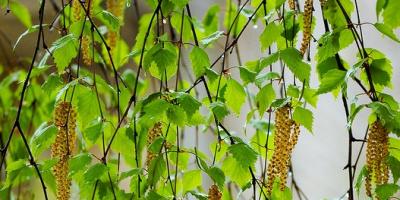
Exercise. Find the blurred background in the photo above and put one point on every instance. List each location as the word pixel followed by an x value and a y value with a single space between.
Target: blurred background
pixel 319 158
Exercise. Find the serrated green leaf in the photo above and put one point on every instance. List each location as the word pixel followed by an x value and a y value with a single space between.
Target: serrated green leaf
pixel 331 80
pixel 304 117
pixel 78 163
pixel 247 75
pixel 219 109
pixel 211 38
pixel 191 180
pixel 332 43
pixel 244 154
pixel 264 77
pixel 176 115
pixel 217 175
pixel 386 30
pixel 64 51
pixel 264 98
pixel 94 173
pixel 31 29
pixel 234 95
pixel 42 138
pixel 200 61
pixel 235 171
pixel 385 191
pixel 21 12
pixel 94 130
pixel 295 63
pixel 160 59
pixel 110 20
pixel 391 14
pixel 270 34
pixel 156 169
pixel 394 166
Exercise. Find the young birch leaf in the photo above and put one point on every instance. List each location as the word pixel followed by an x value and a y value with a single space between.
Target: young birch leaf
pixel 247 75
pixel 64 51
pixel 264 98
pixel 200 61
pixel 191 180
pixel 79 163
pixel 304 117
pixel 391 14
pixel 93 130
pixel 235 171
pixel 42 138
pixel 385 191
pixel 21 12
pixel 244 154
pixel 235 95
pixel 294 61
pixel 211 38
pixel 219 109
pixel 176 115
pixel 270 34
pixel 217 175
pixel 386 30
pixel 331 80
pixel 157 168
pixel 94 173
pixel 110 20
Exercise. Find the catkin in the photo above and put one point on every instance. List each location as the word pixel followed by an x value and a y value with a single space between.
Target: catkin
pixel 154 132
pixel 77 11
pixel 214 193
pixel 286 135
pixel 377 152
pixel 292 4
pixel 86 40
pixel 307 20
pixel 65 121
pixel 116 7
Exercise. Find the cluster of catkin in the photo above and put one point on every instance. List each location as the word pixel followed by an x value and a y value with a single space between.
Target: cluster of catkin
pixel 116 7
pixel 214 193
pixel 286 135
pixel 377 152
pixel 78 14
pixel 307 21
pixel 65 121
pixel 154 132
pixel 292 4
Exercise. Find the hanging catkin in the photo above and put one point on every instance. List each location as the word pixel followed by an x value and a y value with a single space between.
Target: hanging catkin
pixel 77 11
pixel 377 152
pixel 286 135
pixel 154 132
pixel 292 4
pixel 214 193
pixel 62 148
pixel 307 20
pixel 86 40
pixel 116 7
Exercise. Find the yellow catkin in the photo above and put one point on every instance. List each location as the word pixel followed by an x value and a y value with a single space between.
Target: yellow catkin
pixel 307 17
pixel 86 40
pixel 62 148
pixel 116 7
pixel 154 132
pixel 292 4
pixel 77 11
pixel 286 135
pixel 214 193
pixel 377 152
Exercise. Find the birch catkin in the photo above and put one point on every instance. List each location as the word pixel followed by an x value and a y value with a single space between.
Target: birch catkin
pixel 377 152
pixel 307 20
pixel 286 135
pixel 86 40
pixel 116 7
pixel 214 193
pixel 154 132
pixel 65 121
pixel 292 4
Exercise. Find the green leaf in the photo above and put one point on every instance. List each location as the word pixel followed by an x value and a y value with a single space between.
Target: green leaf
pixel 163 59
pixel 110 20
pixel 264 77
pixel 385 191
pixel 235 171
pixel 176 115
pixel 219 109
pixel 191 180
pixel 270 35
pixel 17 172
pixel 156 169
pixel 391 14
pixel 217 175
pixel 331 80
pixel 211 38
pixel 42 138
pixel 200 61
pixel 277 194
pixel 331 43
pixel 21 12
pixel 394 166
pixel 94 173
pixel 264 98
pixel 304 117
pixel 247 75
pixel 52 82
pixel 244 154
pixel 294 61
pixel 380 4
pixel 79 163
pixel 234 95
pixel 310 96
pixel 361 175
pixel 64 51
pixel 386 30
pixel 94 130
pixel 293 91
pixel 190 104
